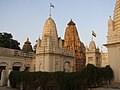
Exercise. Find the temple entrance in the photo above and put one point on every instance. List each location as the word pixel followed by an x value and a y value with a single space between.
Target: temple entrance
pixel 67 66
pixel 27 68
pixel 2 68
pixel 16 68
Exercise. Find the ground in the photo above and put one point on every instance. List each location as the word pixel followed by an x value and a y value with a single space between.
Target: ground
pixel 106 89
pixel 5 88
pixel 111 87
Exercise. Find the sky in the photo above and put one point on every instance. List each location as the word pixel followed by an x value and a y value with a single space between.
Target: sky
pixel 26 18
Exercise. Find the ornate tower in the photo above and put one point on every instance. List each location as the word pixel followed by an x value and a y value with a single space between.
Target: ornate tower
pixel 49 33
pixel 72 42
pixel 45 47
pixel 113 42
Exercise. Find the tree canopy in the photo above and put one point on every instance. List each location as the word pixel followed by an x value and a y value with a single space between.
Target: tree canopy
pixel 7 41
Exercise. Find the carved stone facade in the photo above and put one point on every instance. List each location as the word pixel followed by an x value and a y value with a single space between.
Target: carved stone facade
pixel 104 59
pixel 113 42
pixel 93 55
pixel 50 56
pixel 72 43
pixel 12 59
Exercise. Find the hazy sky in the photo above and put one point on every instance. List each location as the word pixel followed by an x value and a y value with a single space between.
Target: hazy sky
pixel 26 18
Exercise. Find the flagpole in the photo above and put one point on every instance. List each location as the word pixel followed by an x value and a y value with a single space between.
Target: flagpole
pixel 92 38
pixel 51 6
pixel 50 11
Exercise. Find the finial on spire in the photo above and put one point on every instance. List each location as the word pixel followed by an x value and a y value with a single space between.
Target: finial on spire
pixel 71 22
pixel 110 16
pixel 27 39
pixel 92 38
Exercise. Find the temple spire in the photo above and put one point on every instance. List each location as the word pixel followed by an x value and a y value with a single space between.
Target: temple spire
pixel 117 15
pixel 49 33
pixel 72 43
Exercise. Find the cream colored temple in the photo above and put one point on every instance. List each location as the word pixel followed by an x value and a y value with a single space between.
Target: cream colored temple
pixel 113 42
pixel 50 55
pixel 53 54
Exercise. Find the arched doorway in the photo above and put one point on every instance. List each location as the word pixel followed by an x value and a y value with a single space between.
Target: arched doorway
pixel 16 66
pixel 27 67
pixel 3 66
pixel 67 66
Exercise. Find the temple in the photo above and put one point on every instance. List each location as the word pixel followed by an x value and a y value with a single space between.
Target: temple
pixel 113 42
pixel 50 55
pixel 93 55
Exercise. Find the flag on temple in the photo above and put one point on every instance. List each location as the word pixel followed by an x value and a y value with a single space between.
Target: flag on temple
pixel 93 33
pixel 51 5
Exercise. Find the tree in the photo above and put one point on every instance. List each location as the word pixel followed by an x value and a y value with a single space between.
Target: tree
pixel 109 75
pixel 7 41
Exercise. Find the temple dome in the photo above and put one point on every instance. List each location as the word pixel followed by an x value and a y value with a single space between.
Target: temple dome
pixel 27 47
pixel 50 31
pixel 92 45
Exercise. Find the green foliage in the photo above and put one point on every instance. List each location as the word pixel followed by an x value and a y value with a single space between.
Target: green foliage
pixel 90 76
pixel 7 41
pixel 15 77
